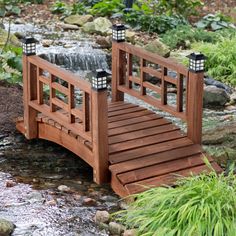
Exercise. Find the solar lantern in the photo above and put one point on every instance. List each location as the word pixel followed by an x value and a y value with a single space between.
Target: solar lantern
pixel 99 80
pixel 29 46
pixel 197 62
pixel 118 32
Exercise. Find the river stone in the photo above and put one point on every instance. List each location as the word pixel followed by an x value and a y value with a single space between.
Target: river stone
pixel 102 217
pixel 12 40
pixel 68 26
pixel 215 97
pixel 130 36
pixel 79 20
pixel 104 42
pixel 64 188
pixel 156 46
pixel 6 227
pixel 89 28
pixel 233 98
pixel 130 232
pixel 116 229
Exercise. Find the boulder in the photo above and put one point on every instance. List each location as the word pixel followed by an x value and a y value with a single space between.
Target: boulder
pixel 68 26
pixel 233 98
pixel 6 227
pixel 156 46
pixel 130 36
pixel 116 229
pixel 130 232
pixel 215 97
pixel 104 42
pixel 101 26
pixel 102 217
pixel 12 40
pixel 79 20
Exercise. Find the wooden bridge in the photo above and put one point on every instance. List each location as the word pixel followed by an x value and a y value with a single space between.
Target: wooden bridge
pixel 126 144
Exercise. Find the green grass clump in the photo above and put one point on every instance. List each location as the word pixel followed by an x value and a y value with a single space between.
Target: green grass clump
pixel 221 62
pixel 203 205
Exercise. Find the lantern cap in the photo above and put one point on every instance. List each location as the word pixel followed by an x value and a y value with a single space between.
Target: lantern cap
pixel 197 56
pixel 27 40
pixel 100 73
pixel 119 27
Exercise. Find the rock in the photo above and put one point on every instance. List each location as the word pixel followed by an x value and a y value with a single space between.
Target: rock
pixel 218 84
pixel 19 21
pixel 214 96
pixel 233 98
pixel 10 183
pixel 116 229
pixel 89 202
pixel 64 189
pixel 103 226
pixel 123 205
pixel 102 217
pixel 51 203
pixel 67 46
pixel 68 26
pixel 104 42
pixel 34 197
pixel 79 20
pixel 6 227
pixel 158 47
pixel 130 232
pixel 47 42
pixel 130 36
pixel 12 40
pixel 101 26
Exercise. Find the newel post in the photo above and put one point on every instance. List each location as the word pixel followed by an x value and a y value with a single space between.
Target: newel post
pixel 118 62
pixel 100 127
pixel 195 97
pixel 29 88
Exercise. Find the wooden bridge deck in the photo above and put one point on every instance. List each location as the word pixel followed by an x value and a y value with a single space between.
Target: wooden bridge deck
pixel 128 145
pixel 145 149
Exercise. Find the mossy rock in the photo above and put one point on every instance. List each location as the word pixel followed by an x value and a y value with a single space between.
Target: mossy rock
pixel 12 39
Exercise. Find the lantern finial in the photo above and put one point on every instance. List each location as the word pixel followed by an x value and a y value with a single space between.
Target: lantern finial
pixel 99 79
pixel 197 62
pixel 29 46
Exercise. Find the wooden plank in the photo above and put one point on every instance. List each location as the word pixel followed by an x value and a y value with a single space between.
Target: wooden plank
pixel 154 159
pixel 39 87
pixel 114 104
pixel 86 112
pixel 44 79
pixel 129 69
pixel 135 79
pixel 180 92
pixel 135 127
pixel 170 79
pixel 59 103
pixel 129 116
pixel 60 88
pixel 161 169
pixel 77 113
pixel 152 71
pixel 135 120
pixel 124 111
pixel 151 149
pixel 71 103
pixel 121 107
pixel 158 138
pixel 153 87
pixel 167 179
pixel 163 86
pixel 142 133
pixel 61 73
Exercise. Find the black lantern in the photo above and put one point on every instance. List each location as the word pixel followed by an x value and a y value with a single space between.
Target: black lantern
pixel 196 62
pixel 29 46
pixel 118 32
pixel 99 79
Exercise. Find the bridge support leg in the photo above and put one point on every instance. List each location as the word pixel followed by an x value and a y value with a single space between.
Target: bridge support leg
pixel 29 93
pixel 100 136
pixel 195 106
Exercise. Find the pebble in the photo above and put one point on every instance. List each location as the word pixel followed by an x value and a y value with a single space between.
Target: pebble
pixel 6 227
pixel 47 42
pixel 51 203
pixel 130 232
pixel 116 229
pixel 101 217
pixel 89 202
pixel 10 183
pixel 64 189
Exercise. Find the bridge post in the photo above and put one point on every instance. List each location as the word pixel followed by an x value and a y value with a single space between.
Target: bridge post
pixel 29 89
pixel 118 62
pixel 100 127
pixel 195 97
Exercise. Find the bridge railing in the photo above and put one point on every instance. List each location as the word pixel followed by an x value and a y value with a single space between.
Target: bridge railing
pixel 150 80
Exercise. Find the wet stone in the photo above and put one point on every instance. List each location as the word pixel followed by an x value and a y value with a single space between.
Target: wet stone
pixel 6 227
pixel 130 232
pixel 89 202
pixel 102 217
pixel 64 189
pixel 10 183
pixel 115 228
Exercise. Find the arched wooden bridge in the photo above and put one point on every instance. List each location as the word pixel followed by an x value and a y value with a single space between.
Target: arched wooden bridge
pixel 126 144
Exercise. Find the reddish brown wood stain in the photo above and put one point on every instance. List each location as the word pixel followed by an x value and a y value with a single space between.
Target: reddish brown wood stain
pixel 126 144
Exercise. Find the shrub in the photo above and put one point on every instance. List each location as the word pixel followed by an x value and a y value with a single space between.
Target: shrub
pixel 184 35
pixel 221 62
pixel 199 206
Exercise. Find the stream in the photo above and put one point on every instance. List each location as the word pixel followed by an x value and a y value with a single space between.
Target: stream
pixel 32 171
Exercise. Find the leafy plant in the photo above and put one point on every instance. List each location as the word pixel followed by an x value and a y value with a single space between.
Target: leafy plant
pixel 11 64
pixel 58 7
pixel 221 62
pixel 199 206
pixel 184 35
pixel 9 7
pixel 107 8
pixel 214 22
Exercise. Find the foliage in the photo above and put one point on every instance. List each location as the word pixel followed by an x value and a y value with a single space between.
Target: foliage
pixel 221 62
pixel 199 206
pixel 107 7
pixel 11 64
pixel 154 23
pixel 9 7
pixel 214 22
pixel 58 7
pixel 184 35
